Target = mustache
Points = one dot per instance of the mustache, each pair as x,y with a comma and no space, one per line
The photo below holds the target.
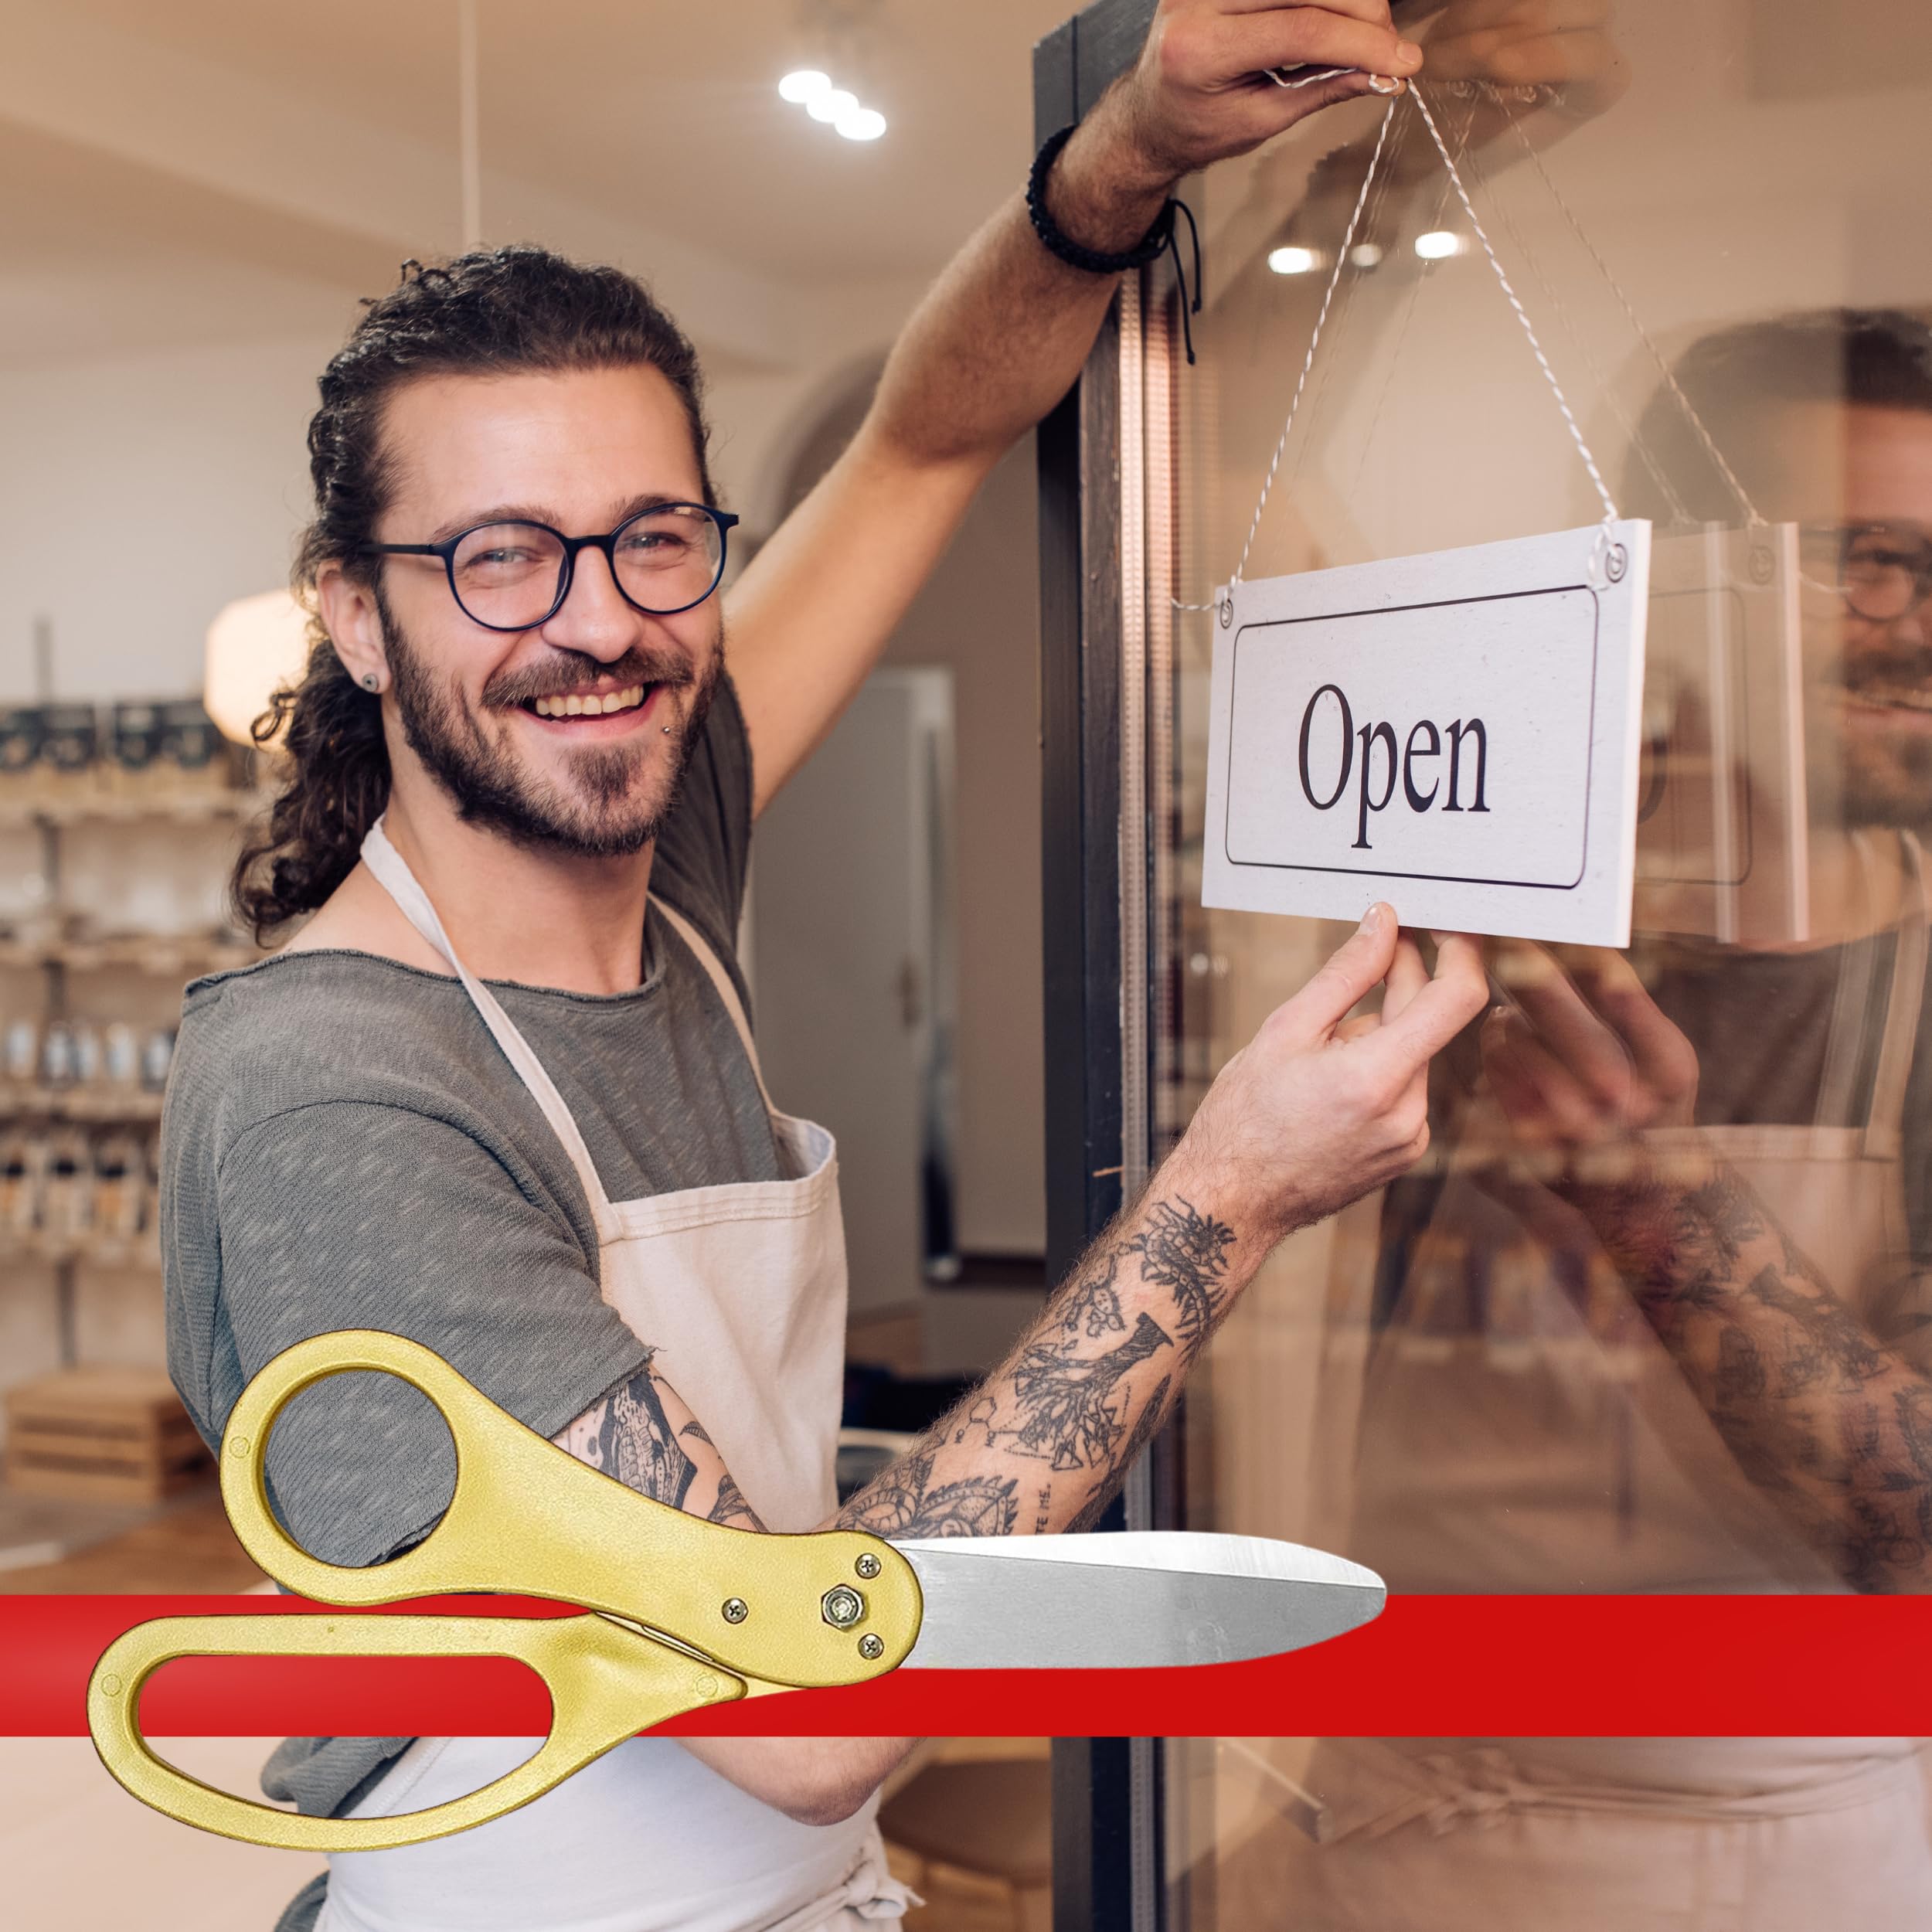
567,671
1893,665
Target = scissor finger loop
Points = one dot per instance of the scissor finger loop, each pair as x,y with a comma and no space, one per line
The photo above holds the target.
607,1682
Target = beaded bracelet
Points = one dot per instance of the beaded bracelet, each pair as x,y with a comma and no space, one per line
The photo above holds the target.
1160,240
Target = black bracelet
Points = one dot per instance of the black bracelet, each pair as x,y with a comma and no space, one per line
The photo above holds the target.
1159,240
1152,246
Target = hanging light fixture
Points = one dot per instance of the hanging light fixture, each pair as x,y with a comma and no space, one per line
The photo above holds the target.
834,32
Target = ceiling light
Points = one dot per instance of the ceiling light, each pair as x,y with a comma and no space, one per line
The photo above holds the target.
1293,261
1366,254
832,104
1438,245
807,84
861,124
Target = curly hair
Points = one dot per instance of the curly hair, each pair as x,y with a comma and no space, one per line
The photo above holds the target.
493,312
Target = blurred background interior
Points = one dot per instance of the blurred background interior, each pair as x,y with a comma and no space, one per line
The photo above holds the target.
192,199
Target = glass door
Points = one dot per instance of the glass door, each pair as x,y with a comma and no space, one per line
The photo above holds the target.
1653,1315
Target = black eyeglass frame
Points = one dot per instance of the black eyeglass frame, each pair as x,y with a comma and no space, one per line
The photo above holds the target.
1846,536
566,576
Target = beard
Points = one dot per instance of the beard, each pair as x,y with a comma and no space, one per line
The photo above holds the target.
602,811
1891,788
1884,778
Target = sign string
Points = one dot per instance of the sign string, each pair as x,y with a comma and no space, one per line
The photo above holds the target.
1664,370
1315,343
1223,604
1522,314
1578,338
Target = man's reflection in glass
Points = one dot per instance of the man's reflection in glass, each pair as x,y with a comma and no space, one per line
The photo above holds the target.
1661,1319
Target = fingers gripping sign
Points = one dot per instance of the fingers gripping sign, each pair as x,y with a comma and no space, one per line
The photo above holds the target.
1202,92
1319,1107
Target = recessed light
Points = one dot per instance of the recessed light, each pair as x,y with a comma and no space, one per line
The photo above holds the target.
830,104
861,124
1293,261
1438,245
807,84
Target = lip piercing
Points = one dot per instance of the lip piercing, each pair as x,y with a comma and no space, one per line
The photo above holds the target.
667,731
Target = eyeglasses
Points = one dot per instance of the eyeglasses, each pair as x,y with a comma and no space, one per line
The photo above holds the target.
516,576
1883,572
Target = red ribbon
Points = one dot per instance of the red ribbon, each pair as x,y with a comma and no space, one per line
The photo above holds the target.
1431,1666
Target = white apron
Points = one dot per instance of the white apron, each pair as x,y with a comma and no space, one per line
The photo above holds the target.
1580,1460
740,1289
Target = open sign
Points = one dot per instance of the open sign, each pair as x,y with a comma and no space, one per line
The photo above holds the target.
1457,734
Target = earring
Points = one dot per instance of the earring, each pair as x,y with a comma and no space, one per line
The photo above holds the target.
370,680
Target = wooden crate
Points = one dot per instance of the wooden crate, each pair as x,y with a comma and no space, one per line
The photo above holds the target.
101,1435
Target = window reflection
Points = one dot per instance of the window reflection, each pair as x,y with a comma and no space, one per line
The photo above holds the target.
1657,1313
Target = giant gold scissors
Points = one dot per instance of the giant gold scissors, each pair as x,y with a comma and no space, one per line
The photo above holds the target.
677,1613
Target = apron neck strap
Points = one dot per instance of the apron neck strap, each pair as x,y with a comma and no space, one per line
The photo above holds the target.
1885,1130
392,872
721,982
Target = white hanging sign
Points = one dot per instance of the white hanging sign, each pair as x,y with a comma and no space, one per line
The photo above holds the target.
1457,733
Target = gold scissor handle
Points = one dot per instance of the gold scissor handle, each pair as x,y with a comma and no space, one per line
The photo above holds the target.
528,1517
606,1682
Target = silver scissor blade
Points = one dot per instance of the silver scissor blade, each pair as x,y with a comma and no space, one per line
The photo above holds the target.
1138,1599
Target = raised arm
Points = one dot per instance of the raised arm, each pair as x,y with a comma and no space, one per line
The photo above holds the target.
1316,1110
1000,339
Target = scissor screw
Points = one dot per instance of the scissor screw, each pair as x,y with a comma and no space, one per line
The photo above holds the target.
842,1606
735,1609
867,1565
871,1648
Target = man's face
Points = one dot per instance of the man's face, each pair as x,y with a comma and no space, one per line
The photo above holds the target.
581,451
1869,680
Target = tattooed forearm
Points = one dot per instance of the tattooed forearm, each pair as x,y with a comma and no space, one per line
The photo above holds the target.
1084,1393
1833,1425
1068,1410
1152,1412
731,1506
905,1501
1186,1253
628,1436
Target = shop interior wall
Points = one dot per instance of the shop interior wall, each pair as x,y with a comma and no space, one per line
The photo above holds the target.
978,618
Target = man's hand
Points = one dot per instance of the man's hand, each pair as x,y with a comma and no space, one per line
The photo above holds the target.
1317,1109
1570,1071
1200,91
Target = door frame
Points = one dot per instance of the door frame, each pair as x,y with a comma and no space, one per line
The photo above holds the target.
1098,874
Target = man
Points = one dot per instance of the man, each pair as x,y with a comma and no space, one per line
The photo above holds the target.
1686,1344
518,758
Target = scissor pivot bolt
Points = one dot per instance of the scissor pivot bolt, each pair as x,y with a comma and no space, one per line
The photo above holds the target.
871,1648
842,1606
867,1565
735,1609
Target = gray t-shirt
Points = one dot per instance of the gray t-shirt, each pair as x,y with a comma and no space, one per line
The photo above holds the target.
345,1146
